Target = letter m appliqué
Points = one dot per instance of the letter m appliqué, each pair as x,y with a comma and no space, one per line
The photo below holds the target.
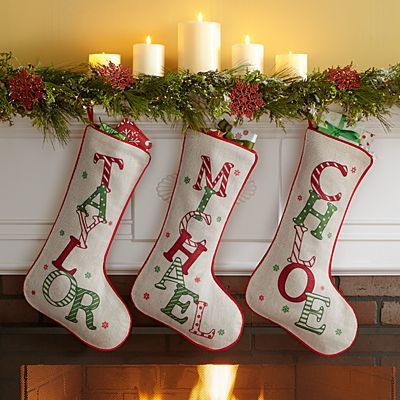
223,176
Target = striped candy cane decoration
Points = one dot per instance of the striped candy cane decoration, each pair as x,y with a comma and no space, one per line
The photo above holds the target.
223,175
298,239
316,176
108,161
85,228
185,222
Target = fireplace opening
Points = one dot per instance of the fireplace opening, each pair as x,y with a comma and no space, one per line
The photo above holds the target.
206,382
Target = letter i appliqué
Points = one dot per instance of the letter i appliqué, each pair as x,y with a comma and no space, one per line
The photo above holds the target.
292,286
176,285
67,281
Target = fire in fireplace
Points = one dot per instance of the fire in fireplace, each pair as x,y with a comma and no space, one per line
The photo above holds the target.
206,382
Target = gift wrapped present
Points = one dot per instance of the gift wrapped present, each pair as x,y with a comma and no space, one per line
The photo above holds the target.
237,134
133,133
334,124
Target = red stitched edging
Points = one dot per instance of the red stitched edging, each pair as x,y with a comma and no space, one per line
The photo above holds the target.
333,248
215,252
109,245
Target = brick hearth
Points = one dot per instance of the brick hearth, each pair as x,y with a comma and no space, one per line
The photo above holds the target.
28,337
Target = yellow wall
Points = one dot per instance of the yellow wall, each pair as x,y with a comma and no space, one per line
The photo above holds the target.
63,32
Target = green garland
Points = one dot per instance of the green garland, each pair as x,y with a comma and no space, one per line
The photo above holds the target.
198,100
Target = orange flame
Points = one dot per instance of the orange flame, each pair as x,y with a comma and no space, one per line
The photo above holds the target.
157,396
215,382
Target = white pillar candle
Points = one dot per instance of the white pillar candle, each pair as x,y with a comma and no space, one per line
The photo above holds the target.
148,58
104,59
250,54
199,45
293,64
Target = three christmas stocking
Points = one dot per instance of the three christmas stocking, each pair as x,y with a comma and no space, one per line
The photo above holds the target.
67,281
177,285
292,286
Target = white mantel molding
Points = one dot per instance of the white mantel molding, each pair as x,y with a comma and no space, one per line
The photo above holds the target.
34,176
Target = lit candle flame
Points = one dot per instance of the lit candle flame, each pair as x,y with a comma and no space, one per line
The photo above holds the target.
290,53
148,39
200,17
247,39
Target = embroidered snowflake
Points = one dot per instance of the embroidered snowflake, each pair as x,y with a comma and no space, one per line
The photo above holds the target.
299,197
236,172
221,332
33,292
62,233
105,324
88,275
167,235
186,179
275,267
322,287
45,266
84,174
238,135
338,332
329,235
197,279
110,223
157,269
219,219
285,309
353,170
261,297
146,296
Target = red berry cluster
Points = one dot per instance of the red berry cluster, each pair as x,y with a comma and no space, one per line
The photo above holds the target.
118,76
344,78
26,89
246,99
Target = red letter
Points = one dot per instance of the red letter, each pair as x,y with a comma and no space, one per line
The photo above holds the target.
283,278
223,174
73,242
316,175
196,327
108,161
178,246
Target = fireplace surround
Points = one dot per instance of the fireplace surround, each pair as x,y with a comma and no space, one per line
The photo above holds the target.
29,339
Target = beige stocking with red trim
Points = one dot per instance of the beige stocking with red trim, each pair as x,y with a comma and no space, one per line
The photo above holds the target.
67,281
176,285
292,286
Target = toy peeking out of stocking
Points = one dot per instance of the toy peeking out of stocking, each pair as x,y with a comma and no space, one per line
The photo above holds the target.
177,285
292,286
67,281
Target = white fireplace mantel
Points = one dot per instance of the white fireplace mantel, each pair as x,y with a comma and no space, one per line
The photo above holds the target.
34,175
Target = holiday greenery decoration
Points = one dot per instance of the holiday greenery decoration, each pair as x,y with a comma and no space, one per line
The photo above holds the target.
52,96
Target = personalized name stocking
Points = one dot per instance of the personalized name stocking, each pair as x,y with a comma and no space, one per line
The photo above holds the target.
67,281
177,285
292,286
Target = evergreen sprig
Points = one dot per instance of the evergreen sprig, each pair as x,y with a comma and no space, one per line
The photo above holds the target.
198,100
